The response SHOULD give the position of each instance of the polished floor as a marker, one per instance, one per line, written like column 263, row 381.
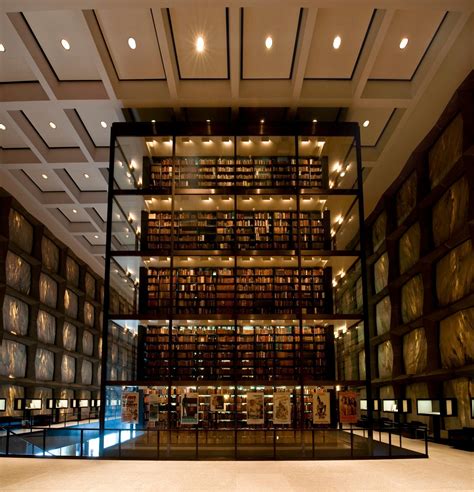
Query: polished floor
column 446, row 469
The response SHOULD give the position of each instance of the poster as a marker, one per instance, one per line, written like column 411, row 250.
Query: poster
column 347, row 407
column 130, row 407
column 153, row 408
column 281, row 407
column 255, row 408
column 217, row 403
column 321, row 407
column 189, row 408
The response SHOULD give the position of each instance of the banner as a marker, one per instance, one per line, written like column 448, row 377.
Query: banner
column 217, row 403
column 130, row 407
column 255, row 408
column 282, row 407
column 321, row 407
column 347, row 407
column 189, row 408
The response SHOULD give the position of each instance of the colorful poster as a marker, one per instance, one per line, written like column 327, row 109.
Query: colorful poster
column 189, row 408
column 130, row 407
column 282, row 408
column 255, row 408
column 217, row 403
column 347, row 407
column 321, row 407
column 153, row 408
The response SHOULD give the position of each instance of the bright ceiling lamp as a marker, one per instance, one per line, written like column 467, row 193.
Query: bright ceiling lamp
column 336, row 44
column 132, row 43
column 2, row 48
column 268, row 42
column 65, row 44
column 366, row 123
column 52, row 125
column 403, row 43
column 103, row 124
column 199, row 44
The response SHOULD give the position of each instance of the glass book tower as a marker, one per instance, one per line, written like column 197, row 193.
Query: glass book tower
column 231, row 241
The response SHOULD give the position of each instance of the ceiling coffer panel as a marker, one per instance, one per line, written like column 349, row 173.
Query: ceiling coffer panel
column 209, row 23
column 351, row 25
column 118, row 26
column 261, row 24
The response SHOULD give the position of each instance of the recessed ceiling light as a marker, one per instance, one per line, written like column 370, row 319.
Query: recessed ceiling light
column 86, row 176
column 74, row 211
column 269, row 42
column 403, row 43
column 366, row 123
column 262, row 121
column 103, row 124
column 2, row 126
column 315, row 120
column 132, row 43
column 153, row 121
column 200, row 44
column 208, row 121
column 336, row 44
column 96, row 236
column 65, row 44
column 44, row 176
column 52, row 125
column 2, row 48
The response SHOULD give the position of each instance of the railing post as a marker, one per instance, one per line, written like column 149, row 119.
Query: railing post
column 426, row 442
column 7, row 447
column 390, row 442
column 312, row 442
column 81, row 453
column 120, row 442
column 352, row 442
column 157, row 444
column 44, row 442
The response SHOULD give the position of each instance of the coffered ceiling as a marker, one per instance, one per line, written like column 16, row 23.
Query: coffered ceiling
column 58, row 104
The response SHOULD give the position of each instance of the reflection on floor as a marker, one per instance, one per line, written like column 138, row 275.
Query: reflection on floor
column 446, row 469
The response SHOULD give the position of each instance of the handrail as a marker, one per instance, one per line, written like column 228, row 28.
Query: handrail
column 18, row 436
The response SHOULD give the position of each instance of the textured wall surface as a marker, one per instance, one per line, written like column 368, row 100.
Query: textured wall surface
column 86, row 372
column 456, row 339
column 446, row 151
column 412, row 299
column 406, row 198
column 21, row 231
column 415, row 351
column 409, row 248
column 383, row 312
column 48, row 289
column 385, row 359
column 455, row 274
column 70, row 303
column 46, row 327
column 359, row 297
column 463, row 390
column 10, row 392
column 381, row 273
column 12, row 359
column 90, row 285
column 414, row 391
column 44, row 394
column 69, row 336
column 15, row 315
column 44, row 364
column 50, row 254
column 18, row 273
column 72, row 271
column 87, row 342
column 379, row 230
column 68, row 369
column 88, row 314
column 362, row 373
column 451, row 212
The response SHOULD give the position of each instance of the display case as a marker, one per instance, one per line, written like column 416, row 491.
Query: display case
column 3, row 404
column 446, row 407
column 57, row 403
column 28, row 404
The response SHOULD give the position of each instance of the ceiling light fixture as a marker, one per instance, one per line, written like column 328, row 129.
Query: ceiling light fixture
column 44, row 176
column 65, row 44
column 268, row 42
column 366, row 123
column 262, row 121
column 403, row 43
column 86, row 176
column 315, row 120
column 2, row 48
column 132, row 43
column 96, row 236
column 74, row 211
column 2, row 126
column 52, row 125
column 208, row 121
column 200, row 44
column 103, row 124
column 336, row 44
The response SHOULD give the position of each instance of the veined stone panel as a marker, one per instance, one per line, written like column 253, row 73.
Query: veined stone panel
column 456, row 339
column 409, row 248
column 412, row 299
column 406, row 198
column 415, row 351
column 383, row 313
column 381, row 273
column 385, row 359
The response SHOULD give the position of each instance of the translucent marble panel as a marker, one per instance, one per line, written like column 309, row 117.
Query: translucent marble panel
column 21, row 231
column 381, row 273
column 70, row 303
column 359, row 297
column 455, row 274
column 379, row 230
column 386, row 392
column 114, row 303
column 123, row 356
column 456, row 339
column 43, row 394
column 18, row 273
column 446, row 151
column 385, row 359
column 362, row 373
column 415, row 351
column 46, row 327
column 72, row 271
column 11, row 392
column 383, row 313
column 406, row 198
column 409, row 248
column 450, row 214
column 463, row 390
column 68, row 369
column 44, row 364
column 90, row 285
column 48, row 290
column 69, row 336
column 88, row 314
column 114, row 353
column 412, row 299
column 12, row 359
column 413, row 392
column 87, row 342
column 15, row 315
column 86, row 372
column 50, row 254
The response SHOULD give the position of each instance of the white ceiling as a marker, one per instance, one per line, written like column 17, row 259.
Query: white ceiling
column 401, row 92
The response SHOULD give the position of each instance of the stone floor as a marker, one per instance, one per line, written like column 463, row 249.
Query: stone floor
column 446, row 469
